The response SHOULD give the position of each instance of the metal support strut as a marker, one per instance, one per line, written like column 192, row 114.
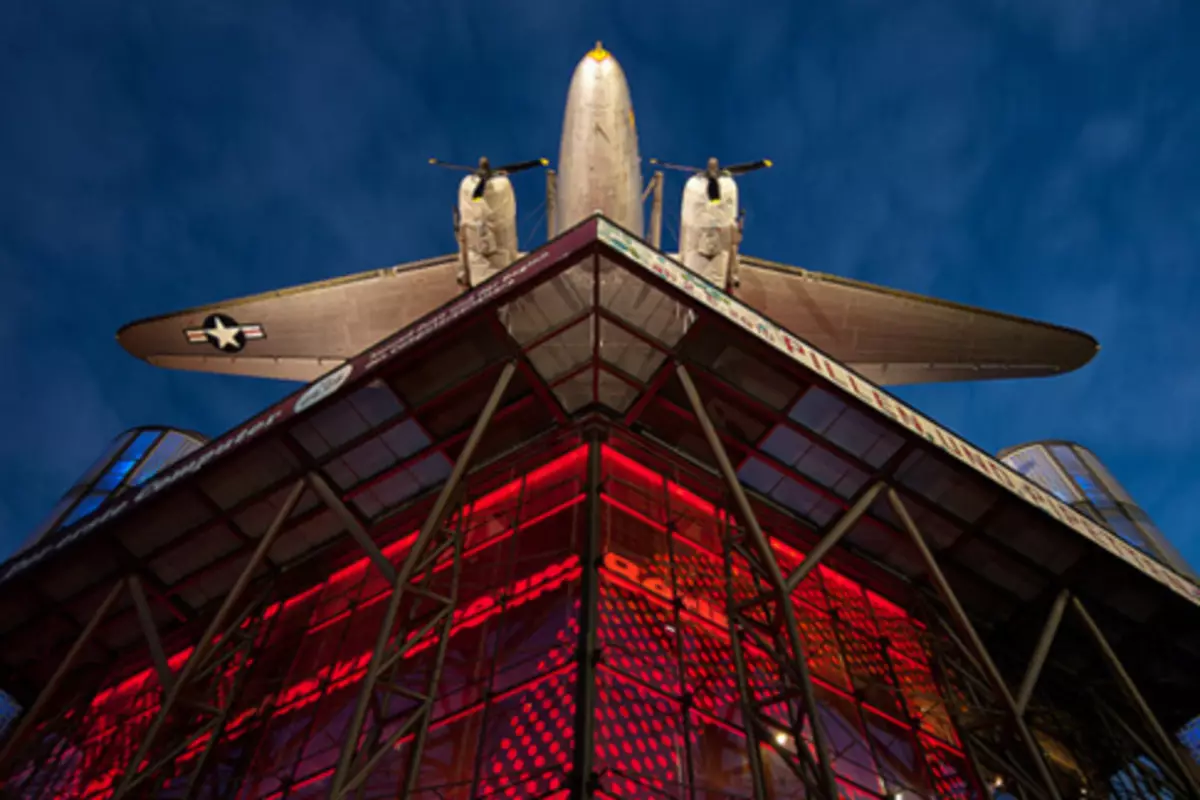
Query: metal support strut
column 581, row 780
column 1114, row 663
column 34, row 714
column 964, row 623
column 358, row 758
column 794, row 668
column 220, row 633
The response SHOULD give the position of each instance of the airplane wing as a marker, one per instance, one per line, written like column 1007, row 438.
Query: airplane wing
column 894, row 337
column 299, row 333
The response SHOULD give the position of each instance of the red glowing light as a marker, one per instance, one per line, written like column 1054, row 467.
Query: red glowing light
column 643, row 687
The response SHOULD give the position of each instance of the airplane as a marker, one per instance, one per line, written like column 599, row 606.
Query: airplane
column 888, row 336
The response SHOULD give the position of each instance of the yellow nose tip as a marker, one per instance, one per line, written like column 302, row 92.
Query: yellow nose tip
column 598, row 52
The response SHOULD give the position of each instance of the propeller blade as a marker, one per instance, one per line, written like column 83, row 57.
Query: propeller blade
column 714, row 190
column 741, row 169
column 523, row 165
column 677, row 167
column 448, row 165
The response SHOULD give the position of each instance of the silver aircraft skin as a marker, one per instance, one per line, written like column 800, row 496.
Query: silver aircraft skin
column 598, row 164
column 888, row 336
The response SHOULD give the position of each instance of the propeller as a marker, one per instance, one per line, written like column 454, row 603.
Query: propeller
column 714, row 171
column 486, row 171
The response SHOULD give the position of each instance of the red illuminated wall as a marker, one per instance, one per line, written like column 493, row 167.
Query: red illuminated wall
column 668, row 715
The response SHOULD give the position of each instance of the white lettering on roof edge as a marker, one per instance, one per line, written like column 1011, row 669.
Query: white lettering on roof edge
column 814, row 360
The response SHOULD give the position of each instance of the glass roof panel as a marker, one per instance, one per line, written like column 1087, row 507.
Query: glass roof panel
column 828, row 470
column 431, row 470
column 804, row 501
column 616, row 393
column 1106, row 478
column 85, row 507
column 140, row 445
column 567, row 351
column 749, row 374
column 953, row 490
column 376, row 403
column 100, row 463
column 786, row 445
column 849, row 429
column 641, row 305
column 1036, row 464
column 405, row 439
column 172, row 448
column 759, row 475
column 1124, row 527
column 628, row 353
column 550, row 305
column 813, row 461
column 807, row 503
column 115, row 474
column 403, row 485
column 370, row 458
column 576, row 392
column 455, row 359
column 330, row 428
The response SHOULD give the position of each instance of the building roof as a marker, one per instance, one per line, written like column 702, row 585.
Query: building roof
column 597, row 320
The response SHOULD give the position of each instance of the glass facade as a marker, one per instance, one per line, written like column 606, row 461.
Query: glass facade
column 1075, row 475
column 133, row 458
column 668, row 720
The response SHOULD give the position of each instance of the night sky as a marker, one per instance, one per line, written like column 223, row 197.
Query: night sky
column 1040, row 157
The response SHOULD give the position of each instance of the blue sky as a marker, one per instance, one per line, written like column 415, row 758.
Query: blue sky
column 1036, row 156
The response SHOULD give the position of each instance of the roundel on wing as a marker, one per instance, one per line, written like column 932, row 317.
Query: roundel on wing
column 224, row 333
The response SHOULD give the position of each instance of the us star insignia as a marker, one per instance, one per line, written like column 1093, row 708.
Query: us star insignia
column 225, row 333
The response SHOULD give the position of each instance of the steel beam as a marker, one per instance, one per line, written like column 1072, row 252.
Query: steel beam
column 345, row 773
column 146, row 620
column 1164, row 741
column 1041, row 651
column 754, row 751
column 581, row 780
column 350, row 521
column 199, row 655
column 777, row 582
column 31, row 717
column 964, row 623
column 831, row 539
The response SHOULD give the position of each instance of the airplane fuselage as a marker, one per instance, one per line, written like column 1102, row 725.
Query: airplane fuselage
column 885, row 335
column 598, row 164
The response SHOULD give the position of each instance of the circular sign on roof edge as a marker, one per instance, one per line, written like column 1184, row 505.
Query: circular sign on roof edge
column 323, row 388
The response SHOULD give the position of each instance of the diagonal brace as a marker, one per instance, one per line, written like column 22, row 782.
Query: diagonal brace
column 964, row 623
column 1114, row 663
column 778, row 582
column 1041, row 651
column 356, row 529
column 33, row 715
column 433, row 523
column 831, row 539
column 200, row 653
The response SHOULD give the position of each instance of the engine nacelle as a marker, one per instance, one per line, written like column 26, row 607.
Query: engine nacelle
column 708, row 231
column 487, row 228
